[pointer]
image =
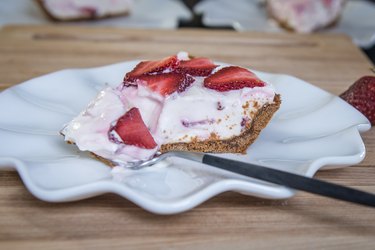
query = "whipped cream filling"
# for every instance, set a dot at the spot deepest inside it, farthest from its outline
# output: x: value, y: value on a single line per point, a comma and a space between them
x: 90, y: 129
x: 201, y: 113
x: 196, y: 114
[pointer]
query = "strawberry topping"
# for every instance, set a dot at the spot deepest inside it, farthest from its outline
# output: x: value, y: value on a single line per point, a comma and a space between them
x: 186, y: 82
x: 165, y: 84
x: 197, y: 66
x: 231, y: 78
x: 133, y: 131
x: 147, y: 67
x: 361, y: 95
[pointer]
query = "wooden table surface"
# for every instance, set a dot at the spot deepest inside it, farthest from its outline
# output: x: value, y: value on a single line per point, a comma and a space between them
x: 228, y: 221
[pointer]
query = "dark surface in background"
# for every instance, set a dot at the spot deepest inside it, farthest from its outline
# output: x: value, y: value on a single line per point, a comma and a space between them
x: 370, y: 53
x: 196, y: 22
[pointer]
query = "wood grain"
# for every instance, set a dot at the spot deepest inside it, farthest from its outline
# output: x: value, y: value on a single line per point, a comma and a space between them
x: 227, y: 221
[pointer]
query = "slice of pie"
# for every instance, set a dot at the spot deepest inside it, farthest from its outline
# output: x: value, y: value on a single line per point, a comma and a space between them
x: 177, y: 103
x: 305, y: 16
x: 78, y: 10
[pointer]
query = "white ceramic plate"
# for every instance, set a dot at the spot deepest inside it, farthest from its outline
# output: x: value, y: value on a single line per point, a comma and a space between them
x: 357, y: 19
x: 312, y: 130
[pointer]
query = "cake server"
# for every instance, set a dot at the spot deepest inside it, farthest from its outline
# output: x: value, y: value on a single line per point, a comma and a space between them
x: 268, y: 174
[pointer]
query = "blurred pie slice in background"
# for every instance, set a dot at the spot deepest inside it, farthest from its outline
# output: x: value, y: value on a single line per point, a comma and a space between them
x: 74, y: 10
x: 305, y: 16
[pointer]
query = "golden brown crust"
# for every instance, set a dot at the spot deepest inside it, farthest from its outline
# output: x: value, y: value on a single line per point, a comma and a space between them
x: 54, y: 18
x: 104, y: 160
x: 237, y: 144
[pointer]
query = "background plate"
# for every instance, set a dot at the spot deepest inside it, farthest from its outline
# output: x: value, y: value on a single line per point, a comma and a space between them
x: 312, y: 130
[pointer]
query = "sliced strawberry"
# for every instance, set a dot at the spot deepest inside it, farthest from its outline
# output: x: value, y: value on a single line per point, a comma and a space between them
x: 196, y: 66
x: 133, y: 131
x: 165, y: 84
x: 186, y: 82
x: 147, y: 67
x: 361, y: 95
x: 233, y: 77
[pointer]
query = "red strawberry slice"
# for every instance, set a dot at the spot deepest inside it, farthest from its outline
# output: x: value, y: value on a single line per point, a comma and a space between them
x: 147, y: 67
x: 186, y: 82
x: 165, y: 84
x: 361, y: 95
x: 231, y: 78
x: 196, y: 66
x: 133, y: 131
